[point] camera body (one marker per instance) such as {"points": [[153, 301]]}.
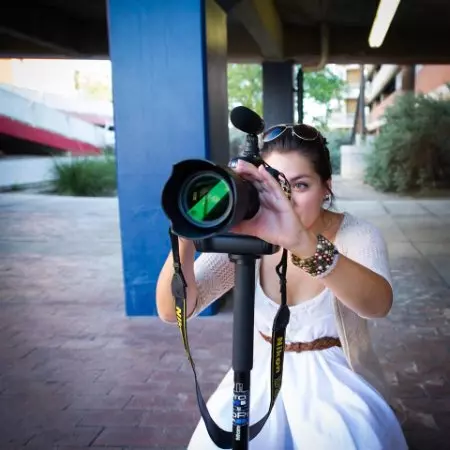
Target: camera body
{"points": [[202, 199]]}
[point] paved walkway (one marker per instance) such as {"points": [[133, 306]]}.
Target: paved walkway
{"points": [[75, 373]]}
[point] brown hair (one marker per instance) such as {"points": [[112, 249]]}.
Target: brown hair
{"points": [[316, 151]]}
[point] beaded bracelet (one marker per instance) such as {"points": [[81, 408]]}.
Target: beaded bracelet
{"points": [[322, 262]]}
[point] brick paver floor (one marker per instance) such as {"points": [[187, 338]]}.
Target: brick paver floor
{"points": [[76, 373]]}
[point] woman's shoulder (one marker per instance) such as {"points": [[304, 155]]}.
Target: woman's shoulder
{"points": [[362, 241], [359, 232]]}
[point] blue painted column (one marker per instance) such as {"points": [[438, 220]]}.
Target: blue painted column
{"points": [[170, 103]]}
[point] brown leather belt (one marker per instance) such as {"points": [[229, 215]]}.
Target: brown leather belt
{"points": [[318, 344]]}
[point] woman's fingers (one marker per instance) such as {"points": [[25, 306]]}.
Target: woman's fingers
{"points": [[268, 177], [246, 169], [264, 182], [272, 183], [250, 173]]}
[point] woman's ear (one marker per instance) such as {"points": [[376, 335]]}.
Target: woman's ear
{"points": [[328, 186]]}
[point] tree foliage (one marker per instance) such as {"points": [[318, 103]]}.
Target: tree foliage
{"points": [[245, 86], [323, 86], [412, 151]]}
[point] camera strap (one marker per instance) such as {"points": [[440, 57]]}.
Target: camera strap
{"points": [[222, 438]]}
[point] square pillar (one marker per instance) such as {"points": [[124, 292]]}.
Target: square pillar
{"points": [[300, 95], [169, 65], [408, 78], [278, 92]]}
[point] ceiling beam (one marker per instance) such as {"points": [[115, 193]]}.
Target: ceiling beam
{"points": [[12, 47], [32, 24], [39, 32], [261, 20], [348, 45], [34, 27], [227, 5]]}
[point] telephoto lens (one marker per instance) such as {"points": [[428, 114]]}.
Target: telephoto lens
{"points": [[202, 199]]}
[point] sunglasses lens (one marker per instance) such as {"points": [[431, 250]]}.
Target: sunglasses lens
{"points": [[273, 133], [306, 132]]}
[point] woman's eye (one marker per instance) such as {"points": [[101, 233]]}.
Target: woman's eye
{"points": [[300, 186]]}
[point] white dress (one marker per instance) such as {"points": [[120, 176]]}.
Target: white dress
{"points": [[322, 405]]}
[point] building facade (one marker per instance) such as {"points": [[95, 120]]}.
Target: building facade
{"points": [[386, 82]]}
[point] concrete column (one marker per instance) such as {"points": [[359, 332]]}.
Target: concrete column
{"points": [[170, 104], [300, 95], [278, 93], [353, 157], [408, 78]]}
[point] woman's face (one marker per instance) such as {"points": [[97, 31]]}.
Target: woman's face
{"points": [[308, 191]]}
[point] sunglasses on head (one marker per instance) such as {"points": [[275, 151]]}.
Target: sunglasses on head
{"points": [[302, 131]]}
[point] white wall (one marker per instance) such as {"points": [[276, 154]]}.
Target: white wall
{"points": [[57, 76], [44, 75], [27, 170], [17, 171]]}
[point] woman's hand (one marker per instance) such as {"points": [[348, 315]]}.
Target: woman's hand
{"points": [[276, 221]]}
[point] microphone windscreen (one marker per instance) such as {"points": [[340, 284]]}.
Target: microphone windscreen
{"points": [[246, 120]]}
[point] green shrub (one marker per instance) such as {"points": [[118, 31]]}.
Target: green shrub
{"points": [[86, 177], [109, 150], [412, 151]]}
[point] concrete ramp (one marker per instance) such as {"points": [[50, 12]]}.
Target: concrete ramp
{"points": [[30, 120]]}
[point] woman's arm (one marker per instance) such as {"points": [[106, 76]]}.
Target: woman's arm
{"points": [[362, 290], [164, 298], [209, 277], [360, 278]]}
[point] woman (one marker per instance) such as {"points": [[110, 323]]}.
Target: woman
{"points": [[333, 397]]}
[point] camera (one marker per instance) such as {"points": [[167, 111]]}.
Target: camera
{"points": [[202, 199]]}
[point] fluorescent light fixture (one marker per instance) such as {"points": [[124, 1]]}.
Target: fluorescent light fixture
{"points": [[383, 18]]}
